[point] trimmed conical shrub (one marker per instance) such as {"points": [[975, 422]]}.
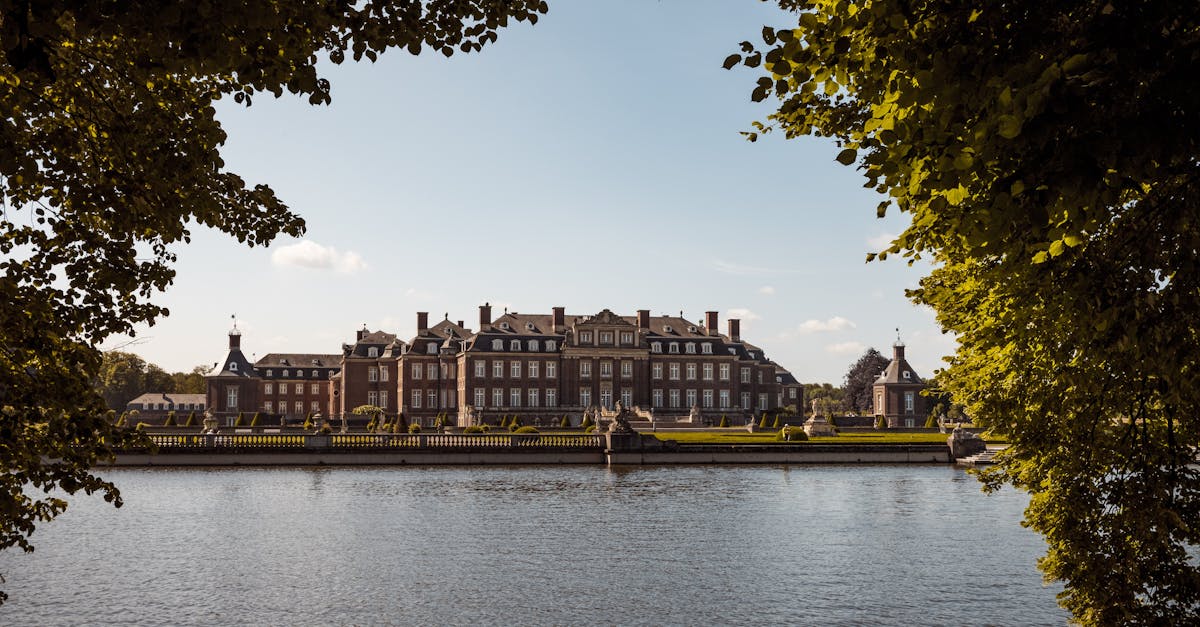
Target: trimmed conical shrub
{"points": [[565, 422], [724, 420], [255, 420], [170, 419], [241, 420], [778, 422], [191, 420], [762, 424]]}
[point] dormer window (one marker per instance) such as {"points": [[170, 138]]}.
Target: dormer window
{"points": [[606, 337], [504, 325], [314, 374], [585, 337], [667, 328], [285, 374], [691, 329], [269, 373], [706, 349], [528, 326], [431, 348], [551, 345], [514, 345], [907, 374], [673, 348], [497, 345], [751, 353], [655, 347], [732, 351], [233, 366], [691, 348], [372, 352], [626, 337], [533, 345]]}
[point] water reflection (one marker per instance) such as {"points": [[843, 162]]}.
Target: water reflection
{"points": [[537, 545]]}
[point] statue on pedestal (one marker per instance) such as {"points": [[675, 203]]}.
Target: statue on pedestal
{"points": [[694, 416], [209, 422], [620, 422]]}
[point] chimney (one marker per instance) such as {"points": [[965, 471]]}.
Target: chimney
{"points": [[235, 340], [710, 322], [898, 351], [485, 316], [361, 333], [735, 330], [560, 320], [460, 324], [422, 322], [643, 318]]}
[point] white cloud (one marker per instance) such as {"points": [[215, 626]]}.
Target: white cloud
{"points": [[846, 348], [881, 241], [836, 323], [767, 290], [309, 254], [743, 314]]}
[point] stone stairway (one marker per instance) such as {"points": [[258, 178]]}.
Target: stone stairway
{"points": [[985, 458]]}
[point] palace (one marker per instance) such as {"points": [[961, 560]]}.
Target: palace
{"points": [[540, 367]]}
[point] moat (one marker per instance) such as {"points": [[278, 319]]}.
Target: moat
{"points": [[545, 545]]}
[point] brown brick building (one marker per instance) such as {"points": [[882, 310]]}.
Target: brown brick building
{"points": [[897, 392], [540, 367], [279, 386]]}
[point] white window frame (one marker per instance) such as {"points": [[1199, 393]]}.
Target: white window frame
{"points": [[383, 373], [707, 399], [497, 397], [514, 368], [417, 371], [706, 372], [533, 370], [585, 397], [551, 397], [585, 369], [497, 345], [533, 397], [723, 372], [480, 368], [268, 388], [372, 351], [416, 399], [480, 398], [706, 348], [673, 371], [690, 348], [383, 399], [551, 370], [690, 369], [656, 398], [533, 346], [497, 368], [626, 338], [656, 371], [514, 397], [514, 345], [655, 347]]}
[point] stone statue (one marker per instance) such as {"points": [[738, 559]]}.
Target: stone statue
{"points": [[620, 422], [210, 423], [694, 416]]}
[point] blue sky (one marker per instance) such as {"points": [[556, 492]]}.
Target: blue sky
{"points": [[590, 161]]}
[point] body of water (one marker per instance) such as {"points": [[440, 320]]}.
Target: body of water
{"points": [[552, 545]]}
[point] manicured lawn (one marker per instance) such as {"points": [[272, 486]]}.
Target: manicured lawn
{"points": [[768, 437]]}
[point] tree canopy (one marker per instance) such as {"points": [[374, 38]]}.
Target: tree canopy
{"points": [[1046, 154], [861, 377], [110, 154], [125, 376]]}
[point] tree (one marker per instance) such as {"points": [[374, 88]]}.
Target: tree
{"points": [[1046, 155], [860, 378], [121, 378], [111, 147]]}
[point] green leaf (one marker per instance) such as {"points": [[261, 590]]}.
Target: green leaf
{"points": [[1010, 126], [847, 156]]}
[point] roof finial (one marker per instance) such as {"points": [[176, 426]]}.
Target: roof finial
{"points": [[897, 334], [233, 317], [446, 316]]}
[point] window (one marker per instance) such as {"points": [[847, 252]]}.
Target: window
{"points": [[383, 373], [498, 369], [908, 402], [528, 326], [585, 337], [626, 337], [656, 371], [673, 348], [480, 368], [314, 374], [655, 347], [300, 373], [533, 370], [656, 398], [551, 370], [497, 397], [708, 399], [285, 374], [533, 397], [314, 388], [745, 375], [792, 393], [372, 375], [514, 369], [533, 345], [673, 371], [479, 398], [724, 396], [431, 371], [606, 368], [627, 398], [907, 374], [691, 372], [267, 406], [267, 388], [606, 398], [299, 388], [372, 397], [431, 398], [762, 401], [723, 372], [585, 397], [417, 369], [270, 373], [706, 349], [383, 399], [606, 337], [497, 345], [551, 398], [585, 369], [707, 373], [691, 348], [745, 400], [299, 405], [691, 398], [626, 369], [514, 397], [416, 399], [373, 351], [760, 376], [431, 348], [514, 345], [551, 345], [667, 328], [673, 395]]}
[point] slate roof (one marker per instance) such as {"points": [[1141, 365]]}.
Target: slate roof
{"points": [[894, 373], [301, 360], [235, 365], [166, 397]]}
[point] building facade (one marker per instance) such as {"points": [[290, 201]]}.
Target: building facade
{"points": [[539, 367], [897, 393]]}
